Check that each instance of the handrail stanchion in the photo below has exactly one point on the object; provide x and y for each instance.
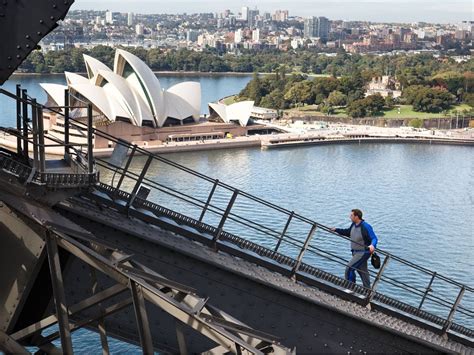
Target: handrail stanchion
(285, 229)
(66, 125)
(428, 290)
(18, 119)
(224, 216)
(449, 320)
(34, 120)
(90, 141)
(372, 290)
(127, 165)
(40, 126)
(209, 198)
(133, 195)
(24, 110)
(303, 250)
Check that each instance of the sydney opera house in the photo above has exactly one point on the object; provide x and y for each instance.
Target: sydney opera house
(129, 102)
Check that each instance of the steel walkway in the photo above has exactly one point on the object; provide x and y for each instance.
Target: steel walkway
(127, 184)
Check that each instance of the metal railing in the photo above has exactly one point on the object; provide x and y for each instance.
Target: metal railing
(296, 245)
(30, 135)
(439, 302)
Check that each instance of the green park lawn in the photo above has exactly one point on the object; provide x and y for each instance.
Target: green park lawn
(406, 111)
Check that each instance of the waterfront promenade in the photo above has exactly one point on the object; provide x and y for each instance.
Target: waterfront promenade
(296, 136)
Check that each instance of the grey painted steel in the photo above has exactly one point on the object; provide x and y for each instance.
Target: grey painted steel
(143, 325)
(428, 290)
(449, 320)
(66, 124)
(10, 346)
(21, 255)
(24, 110)
(18, 119)
(58, 291)
(24, 24)
(299, 259)
(273, 303)
(371, 295)
(285, 229)
(220, 227)
(209, 199)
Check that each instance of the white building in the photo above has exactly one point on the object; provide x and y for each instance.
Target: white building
(130, 19)
(244, 16)
(139, 29)
(109, 17)
(256, 35)
(238, 112)
(130, 93)
(238, 36)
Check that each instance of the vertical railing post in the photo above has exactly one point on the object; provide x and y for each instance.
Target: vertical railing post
(66, 125)
(220, 227)
(127, 165)
(209, 198)
(303, 250)
(41, 147)
(34, 119)
(372, 290)
(133, 195)
(90, 141)
(24, 115)
(18, 119)
(449, 320)
(285, 229)
(428, 290)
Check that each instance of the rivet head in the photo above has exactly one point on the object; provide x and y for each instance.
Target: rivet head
(38, 33)
(55, 6)
(27, 46)
(17, 56)
(18, 47)
(9, 58)
(41, 21)
(27, 36)
(52, 17)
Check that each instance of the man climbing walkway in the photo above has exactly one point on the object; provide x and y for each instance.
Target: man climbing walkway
(363, 244)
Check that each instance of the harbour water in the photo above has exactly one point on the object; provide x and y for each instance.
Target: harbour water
(418, 198)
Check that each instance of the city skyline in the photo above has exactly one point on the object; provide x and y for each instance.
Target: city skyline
(362, 10)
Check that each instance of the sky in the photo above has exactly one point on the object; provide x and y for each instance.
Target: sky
(435, 11)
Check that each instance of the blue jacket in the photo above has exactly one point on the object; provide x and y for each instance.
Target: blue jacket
(367, 233)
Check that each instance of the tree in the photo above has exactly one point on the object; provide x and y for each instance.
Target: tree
(356, 109)
(337, 98)
(427, 99)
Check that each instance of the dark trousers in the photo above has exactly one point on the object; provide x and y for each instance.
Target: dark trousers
(358, 263)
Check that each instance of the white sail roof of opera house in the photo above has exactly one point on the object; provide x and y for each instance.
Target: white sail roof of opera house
(239, 111)
(130, 92)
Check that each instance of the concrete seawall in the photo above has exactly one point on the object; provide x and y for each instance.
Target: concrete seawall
(392, 140)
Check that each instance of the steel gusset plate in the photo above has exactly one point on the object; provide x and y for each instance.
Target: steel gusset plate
(23, 23)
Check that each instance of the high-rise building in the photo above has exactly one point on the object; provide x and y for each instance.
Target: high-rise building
(139, 29)
(109, 17)
(280, 15)
(192, 35)
(238, 36)
(244, 13)
(256, 35)
(323, 27)
(130, 18)
(316, 27)
(251, 18)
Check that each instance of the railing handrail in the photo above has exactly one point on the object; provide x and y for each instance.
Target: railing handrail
(227, 212)
(267, 203)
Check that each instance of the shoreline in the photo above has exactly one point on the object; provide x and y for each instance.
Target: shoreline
(264, 143)
(164, 73)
